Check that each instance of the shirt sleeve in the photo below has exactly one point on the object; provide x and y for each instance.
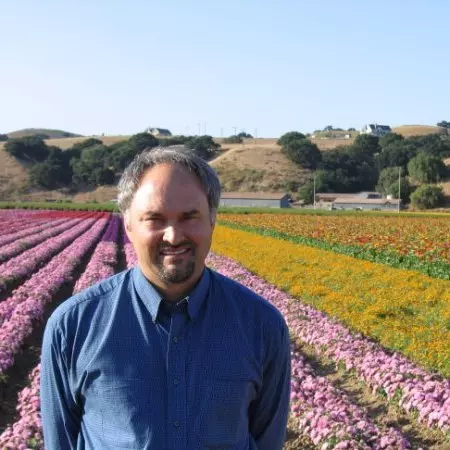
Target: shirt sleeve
(61, 416)
(268, 415)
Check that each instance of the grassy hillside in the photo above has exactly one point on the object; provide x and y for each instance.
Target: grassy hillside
(418, 130)
(32, 131)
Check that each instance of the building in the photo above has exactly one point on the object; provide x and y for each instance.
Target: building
(376, 130)
(158, 132)
(367, 204)
(357, 201)
(325, 200)
(256, 199)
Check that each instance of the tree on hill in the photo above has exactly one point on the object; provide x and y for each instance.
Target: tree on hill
(348, 170)
(431, 144)
(90, 142)
(306, 192)
(29, 148)
(141, 141)
(288, 137)
(443, 124)
(92, 169)
(235, 139)
(427, 169)
(3, 137)
(244, 135)
(303, 152)
(427, 196)
(389, 139)
(367, 144)
(203, 146)
(396, 154)
(405, 190)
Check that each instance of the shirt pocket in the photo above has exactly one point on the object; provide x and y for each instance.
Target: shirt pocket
(123, 409)
(227, 415)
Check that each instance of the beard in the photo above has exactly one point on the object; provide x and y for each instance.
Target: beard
(179, 270)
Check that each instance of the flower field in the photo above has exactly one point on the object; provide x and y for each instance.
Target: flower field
(419, 243)
(370, 343)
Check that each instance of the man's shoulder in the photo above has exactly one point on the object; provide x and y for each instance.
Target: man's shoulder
(249, 300)
(89, 297)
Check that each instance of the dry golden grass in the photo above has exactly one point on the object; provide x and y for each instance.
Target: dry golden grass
(13, 176)
(65, 143)
(418, 130)
(261, 167)
(329, 144)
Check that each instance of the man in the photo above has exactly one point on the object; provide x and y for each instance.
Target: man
(168, 355)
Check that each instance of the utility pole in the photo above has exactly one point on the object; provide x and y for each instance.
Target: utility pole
(234, 128)
(221, 132)
(314, 190)
(198, 128)
(204, 128)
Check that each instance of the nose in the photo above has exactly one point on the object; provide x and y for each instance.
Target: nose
(173, 235)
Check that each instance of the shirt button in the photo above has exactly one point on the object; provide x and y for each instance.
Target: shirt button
(176, 424)
(175, 339)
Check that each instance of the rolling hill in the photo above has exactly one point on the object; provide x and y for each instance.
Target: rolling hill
(255, 165)
(52, 134)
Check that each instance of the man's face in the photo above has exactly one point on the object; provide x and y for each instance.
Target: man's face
(170, 227)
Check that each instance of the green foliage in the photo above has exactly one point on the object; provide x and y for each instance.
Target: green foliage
(347, 169)
(427, 196)
(396, 154)
(405, 190)
(303, 152)
(203, 146)
(387, 177)
(235, 139)
(79, 146)
(92, 168)
(3, 137)
(289, 137)
(443, 124)
(142, 141)
(427, 169)
(67, 205)
(244, 135)
(367, 144)
(29, 148)
(389, 139)
(174, 140)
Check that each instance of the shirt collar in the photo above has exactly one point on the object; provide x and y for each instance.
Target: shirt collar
(152, 299)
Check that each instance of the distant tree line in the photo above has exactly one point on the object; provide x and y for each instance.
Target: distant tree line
(90, 163)
(373, 163)
(443, 124)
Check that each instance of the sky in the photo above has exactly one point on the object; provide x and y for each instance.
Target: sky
(216, 67)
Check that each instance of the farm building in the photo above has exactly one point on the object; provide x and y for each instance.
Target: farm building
(325, 200)
(358, 201)
(255, 199)
(158, 132)
(376, 130)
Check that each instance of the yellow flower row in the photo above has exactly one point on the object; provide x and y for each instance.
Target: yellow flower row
(425, 237)
(403, 310)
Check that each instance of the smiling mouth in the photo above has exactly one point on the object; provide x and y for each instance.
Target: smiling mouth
(174, 252)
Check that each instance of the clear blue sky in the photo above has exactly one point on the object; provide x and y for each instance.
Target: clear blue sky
(117, 67)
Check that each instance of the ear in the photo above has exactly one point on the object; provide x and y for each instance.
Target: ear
(127, 223)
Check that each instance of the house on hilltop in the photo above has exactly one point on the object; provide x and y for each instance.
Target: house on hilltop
(376, 130)
(158, 132)
(256, 199)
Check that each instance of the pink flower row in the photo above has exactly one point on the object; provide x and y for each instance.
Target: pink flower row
(17, 436)
(327, 415)
(16, 225)
(35, 227)
(41, 288)
(130, 255)
(17, 246)
(28, 426)
(26, 263)
(384, 372)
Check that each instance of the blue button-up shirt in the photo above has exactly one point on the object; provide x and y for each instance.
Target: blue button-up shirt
(123, 369)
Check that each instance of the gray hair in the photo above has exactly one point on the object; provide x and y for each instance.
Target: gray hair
(132, 176)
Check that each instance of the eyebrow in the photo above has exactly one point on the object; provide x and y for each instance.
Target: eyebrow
(191, 212)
